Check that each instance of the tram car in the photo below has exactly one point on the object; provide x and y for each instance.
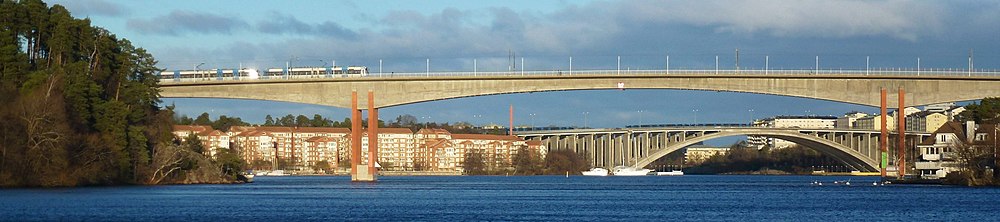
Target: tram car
(271, 73)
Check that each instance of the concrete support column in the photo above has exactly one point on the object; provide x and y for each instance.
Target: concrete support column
(901, 128)
(355, 136)
(372, 136)
(884, 136)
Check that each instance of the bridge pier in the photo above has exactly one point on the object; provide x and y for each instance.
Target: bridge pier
(366, 172)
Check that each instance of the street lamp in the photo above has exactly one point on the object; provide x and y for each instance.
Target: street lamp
(695, 115)
(640, 116)
(425, 119)
(750, 115)
(532, 120)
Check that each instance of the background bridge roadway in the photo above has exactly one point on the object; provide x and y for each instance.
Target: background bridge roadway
(857, 149)
(856, 87)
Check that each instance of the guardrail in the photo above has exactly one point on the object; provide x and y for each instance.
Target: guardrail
(859, 73)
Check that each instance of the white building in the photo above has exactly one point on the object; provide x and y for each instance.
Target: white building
(937, 153)
(697, 154)
(847, 121)
(803, 122)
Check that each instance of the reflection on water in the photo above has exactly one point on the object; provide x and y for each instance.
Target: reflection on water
(510, 198)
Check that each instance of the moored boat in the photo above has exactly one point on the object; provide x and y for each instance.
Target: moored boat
(596, 172)
(671, 173)
(630, 171)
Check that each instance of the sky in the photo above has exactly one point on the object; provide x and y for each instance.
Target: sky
(453, 33)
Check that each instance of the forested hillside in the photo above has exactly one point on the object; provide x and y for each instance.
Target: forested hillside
(78, 105)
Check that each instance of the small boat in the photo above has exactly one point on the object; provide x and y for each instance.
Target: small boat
(630, 171)
(596, 172)
(277, 173)
(671, 173)
(246, 177)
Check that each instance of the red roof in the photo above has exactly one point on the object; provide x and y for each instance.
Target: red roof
(433, 131)
(395, 131)
(322, 130)
(192, 128)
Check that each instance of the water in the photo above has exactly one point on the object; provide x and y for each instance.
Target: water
(539, 198)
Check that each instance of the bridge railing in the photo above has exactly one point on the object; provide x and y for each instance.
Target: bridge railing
(846, 72)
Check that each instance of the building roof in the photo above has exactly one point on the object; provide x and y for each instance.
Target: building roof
(192, 128)
(924, 114)
(948, 127)
(533, 142)
(320, 139)
(991, 132)
(273, 129)
(395, 131)
(241, 128)
(484, 137)
(803, 117)
(433, 131)
(211, 133)
(253, 133)
(322, 130)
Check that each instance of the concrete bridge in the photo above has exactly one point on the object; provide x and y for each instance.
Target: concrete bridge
(857, 149)
(857, 87)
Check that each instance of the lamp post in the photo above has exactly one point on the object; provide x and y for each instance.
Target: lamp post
(695, 115)
(750, 115)
(425, 120)
(640, 116)
(532, 117)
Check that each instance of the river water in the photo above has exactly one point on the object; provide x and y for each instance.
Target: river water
(534, 198)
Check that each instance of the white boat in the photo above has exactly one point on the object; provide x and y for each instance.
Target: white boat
(277, 173)
(630, 171)
(596, 172)
(671, 173)
(248, 177)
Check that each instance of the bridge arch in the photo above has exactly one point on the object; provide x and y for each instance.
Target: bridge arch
(850, 157)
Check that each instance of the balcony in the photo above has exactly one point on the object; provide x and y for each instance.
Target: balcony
(931, 157)
(928, 165)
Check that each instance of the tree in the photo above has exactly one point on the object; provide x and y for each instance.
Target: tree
(986, 111)
(268, 120)
(475, 163)
(287, 120)
(193, 143)
(319, 121)
(321, 166)
(562, 161)
(203, 120)
(527, 162)
(405, 120)
(302, 121)
(230, 162)
(224, 123)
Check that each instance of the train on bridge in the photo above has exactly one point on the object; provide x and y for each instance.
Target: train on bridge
(271, 73)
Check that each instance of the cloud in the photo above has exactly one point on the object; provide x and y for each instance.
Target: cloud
(180, 22)
(595, 32)
(86, 8)
(900, 19)
(283, 24)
